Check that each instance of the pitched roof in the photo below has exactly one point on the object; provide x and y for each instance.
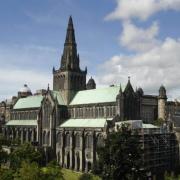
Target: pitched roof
(96, 123)
(101, 95)
(57, 94)
(22, 123)
(29, 102)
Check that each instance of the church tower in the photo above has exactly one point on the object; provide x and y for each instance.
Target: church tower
(162, 99)
(69, 78)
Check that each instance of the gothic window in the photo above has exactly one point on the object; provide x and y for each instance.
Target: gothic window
(48, 138)
(58, 138)
(77, 140)
(35, 135)
(110, 108)
(29, 135)
(114, 110)
(47, 113)
(44, 137)
(81, 112)
(102, 111)
(88, 141)
(96, 112)
(67, 140)
(107, 111)
(100, 141)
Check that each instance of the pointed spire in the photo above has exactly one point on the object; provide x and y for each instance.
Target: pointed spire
(120, 90)
(70, 36)
(70, 57)
(129, 88)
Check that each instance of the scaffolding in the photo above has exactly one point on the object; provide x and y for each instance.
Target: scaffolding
(161, 152)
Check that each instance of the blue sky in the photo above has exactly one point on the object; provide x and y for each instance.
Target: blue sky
(116, 38)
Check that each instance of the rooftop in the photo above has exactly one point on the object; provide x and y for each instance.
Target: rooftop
(86, 123)
(101, 95)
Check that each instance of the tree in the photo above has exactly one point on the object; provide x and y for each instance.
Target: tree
(88, 176)
(28, 171)
(25, 152)
(120, 158)
(52, 172)
(3, 153)
(6, 174)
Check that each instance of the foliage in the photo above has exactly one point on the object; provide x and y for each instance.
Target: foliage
(25, 152)
(6, 174)
(171, 177)
(120, 158)
(28, 171)
(158, 122)
(52, 172)
(3, 153)
(88, 176)
(70, 175)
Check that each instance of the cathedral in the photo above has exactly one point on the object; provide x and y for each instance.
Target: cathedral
(72, 120)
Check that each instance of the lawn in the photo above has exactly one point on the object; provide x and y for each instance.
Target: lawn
(73, 175)
(70, 175)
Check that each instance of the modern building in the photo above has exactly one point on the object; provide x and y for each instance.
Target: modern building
(71, 120)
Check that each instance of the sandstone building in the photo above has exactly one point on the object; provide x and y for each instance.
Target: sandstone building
(71, 120)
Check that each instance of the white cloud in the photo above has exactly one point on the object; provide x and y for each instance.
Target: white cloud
(13, 79)
(148, 69)
(139, 39)
(25, 64)
(141, 9)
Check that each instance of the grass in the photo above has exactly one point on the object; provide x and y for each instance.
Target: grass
(70, 175)
(73, 175)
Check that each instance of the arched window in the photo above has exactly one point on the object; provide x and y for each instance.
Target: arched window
(67, 140)
(58, 138)
(107, 111)
(48, 138)
(47, 113)
(100, 141)
(96, 112)
(44, 137)
(77, 140)
(88, 141)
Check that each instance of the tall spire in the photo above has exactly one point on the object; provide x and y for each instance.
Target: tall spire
(70, 59)
(70, 36)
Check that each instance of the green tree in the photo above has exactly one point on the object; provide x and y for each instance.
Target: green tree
(25, 152)
(28, 171)
(52, 172)
(88, 176)
(158, 122)
(6, 174)
(3, 153)
(120, 158)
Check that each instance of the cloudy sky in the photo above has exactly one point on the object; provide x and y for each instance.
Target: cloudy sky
(116, 39)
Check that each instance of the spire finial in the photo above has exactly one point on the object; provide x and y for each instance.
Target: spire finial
(120, 90)
(129, 78)
(48, 87)
(70, 23)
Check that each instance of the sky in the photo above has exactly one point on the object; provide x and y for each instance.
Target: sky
(115, 39)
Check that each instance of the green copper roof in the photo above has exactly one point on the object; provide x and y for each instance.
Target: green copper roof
(57, 94)
(22, 123)
(29, 102)
(100, 95)
(96, 123)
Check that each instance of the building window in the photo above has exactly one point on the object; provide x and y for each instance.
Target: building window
(100, 141)
(77, 140)
(88, 141)
(47, 113)
(67, 140)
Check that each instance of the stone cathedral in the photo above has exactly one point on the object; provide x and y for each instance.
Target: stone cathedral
(71, 120)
